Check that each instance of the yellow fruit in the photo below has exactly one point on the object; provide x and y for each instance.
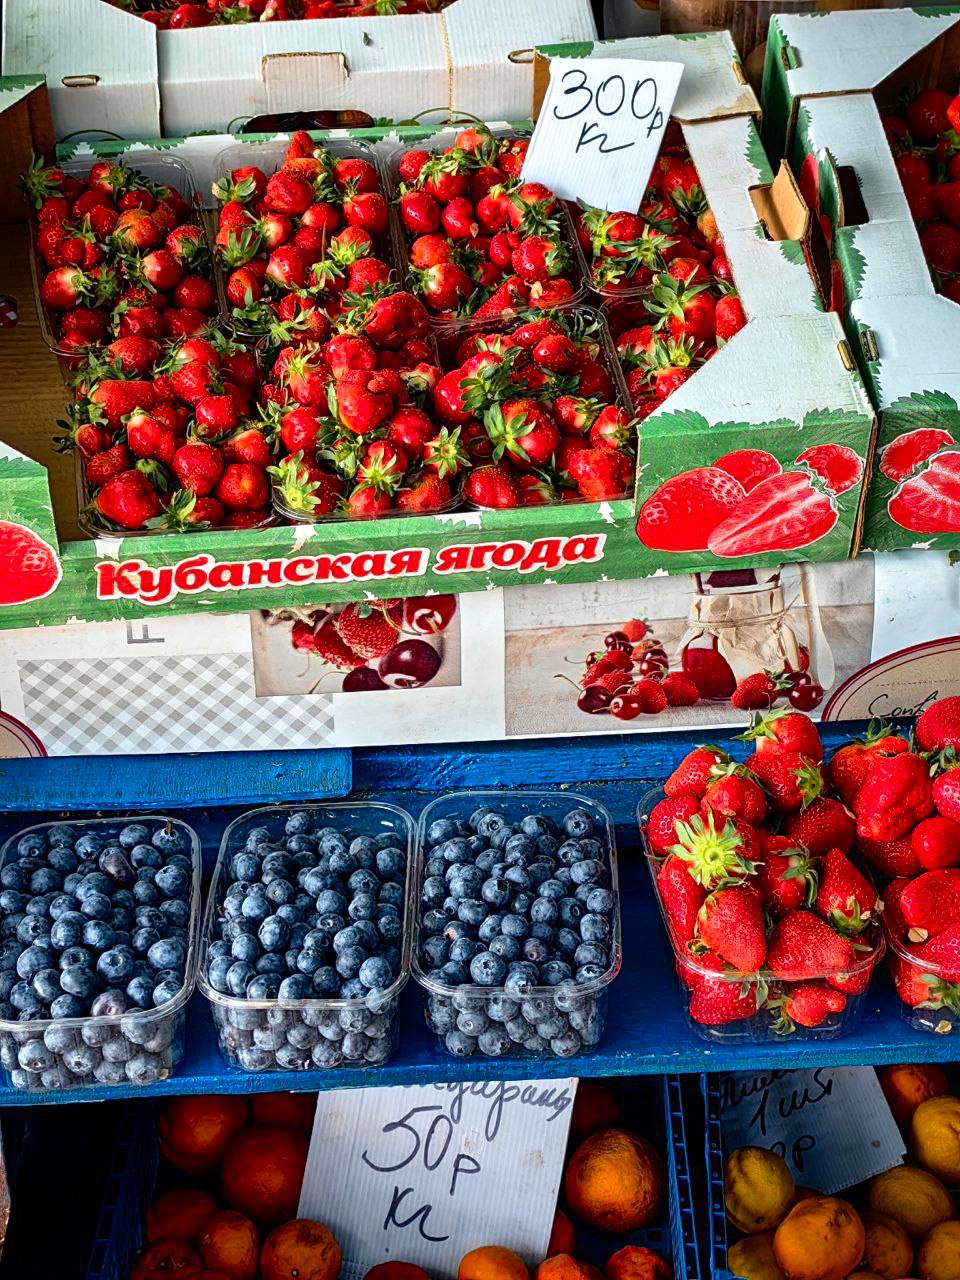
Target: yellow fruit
(912, 1197)
(938, 1255)
(819, 1240)
(758, 1189)
(888, 1251)
(752, 1258)
(935, 1137)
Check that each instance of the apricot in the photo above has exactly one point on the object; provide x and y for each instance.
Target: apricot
(938, 1255)
(563, 1238)
(595, 1107)
(615, 1181)
(195, 1130)
(491, 1262)
(263, 1171)
(752, 1258)
(231, 1243)
(906, 1086)
(165, 1258)
(819, 1240)
(634, 1262)
(300, 1250)
(912, 1197)
(396, 1271)
(288, 1110)
(888, 1250)
(562, 1267)
(757, 1187)
(935, 1137)
(180, 1214)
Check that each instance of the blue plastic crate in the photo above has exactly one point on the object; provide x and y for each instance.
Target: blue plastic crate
(656, 1111)
(717, 1241)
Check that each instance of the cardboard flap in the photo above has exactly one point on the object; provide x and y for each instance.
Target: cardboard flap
(902, 365)
(780, 207)
(26, 133)
(297, 80)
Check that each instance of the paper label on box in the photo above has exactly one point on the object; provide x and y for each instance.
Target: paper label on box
(832, 1125)
(424, 1174)
(600, 129)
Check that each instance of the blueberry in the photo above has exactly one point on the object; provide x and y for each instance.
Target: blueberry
(545, 932)
(274, 933)
(115, 865)
(146, 893)
(462, 950)
(390, 926)
(173, 881)
(67, 1006)
(140, 991)
(578, 823)
(298, 823)
(435, 951)
(434, 891)
(600, 901)
(33, 959)
(589, 953)
(168, 839)
(297, 987)
(33, 929)
(595, 928)
(536, 951)
(32, 843)
(514, 927)
(34, 1056)
(554, 972)
(589, 973)
(471, 911)
(363, 906)
(376, 973)
(45, 880)
(544, 911)
(258, 836)
(12, 876)
(506, 948)
(434, 866)
(63, 860)
(459, 1044)
(488, 969)
(349, 961)
(145, 856)
(79, 981)
(497, 892)
(255, 905)
(110, 1004)
(46, 984)
(12, 900)
(441, 829)
(453, 974)
(96, 906)
(572, 913)
(490, 928)
(169, 989)
(391, 862)
(61, 833)
(272, 963)
(238, 975)
(521, 977)
(486, 822)
(168, 953)
(326, 981)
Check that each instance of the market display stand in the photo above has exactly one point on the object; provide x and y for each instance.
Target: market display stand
(647, 1030)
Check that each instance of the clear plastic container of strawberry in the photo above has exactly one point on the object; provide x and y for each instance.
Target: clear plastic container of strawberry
(474, 239)
(119, 249)
(664, 278)
(774, 927)
(538, 405)
(302, 229)
(170, 443)
(352, 417)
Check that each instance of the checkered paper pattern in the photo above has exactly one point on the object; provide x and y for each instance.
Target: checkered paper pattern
(91, 706)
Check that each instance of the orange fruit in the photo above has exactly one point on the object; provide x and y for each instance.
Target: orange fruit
(288, 1110)
(180, 1214)
(819, 1240)
(163, 1259)
(562, 1267)
(396, 1271)
(262, 1172)
(491, 1262)
(615, 1181)
(912, 1197)
(634, 1262)
(888, 1251)
(906, 1086)
(594, 1107)
(562, 1236)
(938, 1254)
(300, 1250)
(231, 1243)
(194, 1131)
(934, 1137)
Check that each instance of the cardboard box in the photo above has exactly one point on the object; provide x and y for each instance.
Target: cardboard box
(117, 73)
(905, 336)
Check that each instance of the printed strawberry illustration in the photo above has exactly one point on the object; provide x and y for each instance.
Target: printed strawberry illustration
(929, 501)
(837, 465)
(683, 513)
(749, 466)
(782, 513)
(903, 456)
(30, 566)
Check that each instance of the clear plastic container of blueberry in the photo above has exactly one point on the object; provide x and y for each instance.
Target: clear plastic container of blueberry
(516, 931)
(99, 933)
(306, 937)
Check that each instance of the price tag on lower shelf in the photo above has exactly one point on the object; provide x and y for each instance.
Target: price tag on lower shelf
(832, 1125)
(600, 128)
(426, 1173)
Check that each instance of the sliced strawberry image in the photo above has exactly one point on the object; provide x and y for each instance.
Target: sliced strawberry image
(838, 466)
(29, 566)
(782, 513)
(901, 457)
(749, 466)
(682, 514)
(929, 502)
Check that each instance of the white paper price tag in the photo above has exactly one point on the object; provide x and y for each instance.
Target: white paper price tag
(426, 1173)
(832, 1125)
(600, 128)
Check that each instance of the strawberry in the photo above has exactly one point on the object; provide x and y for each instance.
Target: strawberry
(366, 629)
(890, 857)
(646, 697)
(712, 848)
(680, 897)
(807, 1004)
(523, 431)
(492, 487)
(941, 957)
(929, 501)
(749, 466)
(729, 317)
(425, 493)
(846, 899)
(786, 878)
(930, 903)
(936, 842)
(786, 731)
(601, 474)
(683, 511)
(326, 642)
(823, 825)
(803, 947)
(679, 689)
(927, 116)
(938, 726)
(148, 438)
(790, 779)
(782, 513)
(731, 924)
(735, 794)
(851, 763)
(198, 467)
(837, 465)
(128, 500)
(107, 464)
(243, 487)
(895, 795)
(946, 792)
(902, 457)
(717, 1001)
(756, 691)
(661, 829)
(696, 771)
(118, 398)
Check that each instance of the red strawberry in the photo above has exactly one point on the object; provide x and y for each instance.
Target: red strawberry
(823, 825)
(661, 828)
(717, 1001)
(729, 317)
(938, 726)
(367, 629)
(646, 697)
(941, 957)
(903, 456)
(838, 466)
(802, 947)
(791, 780)
(681, 898)
(895, 795)
(148, 438)
(807, 1004)
(851, 763)
(731, 923)
(927, 114)
(787, 731)
(781, 513)
(755, 692)
(946, 793)
(786, 878)
(198, 467)
(695, 772)
(683, 512)
(492, 487)
(929, 502)
(846, 898)
(713, 849)
(326, 642)
(243, 487)
(930, 903)
(749, 466)
(890, 857)
(680, 690)
(426, 492)
(735, 794)
(936, 842)
(524, 431)
(128, 500)
(601, 474)
(107, 464)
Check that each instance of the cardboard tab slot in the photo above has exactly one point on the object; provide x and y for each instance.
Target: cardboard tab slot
(80, 82)
(869, 345)
(780, 207)
(846, 355)
(853, 209)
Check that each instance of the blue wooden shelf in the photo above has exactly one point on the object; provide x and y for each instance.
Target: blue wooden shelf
(647, 1031)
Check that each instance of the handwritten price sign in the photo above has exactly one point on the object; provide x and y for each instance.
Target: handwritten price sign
(426, 1173)
(832, 1125)
(600, 128)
